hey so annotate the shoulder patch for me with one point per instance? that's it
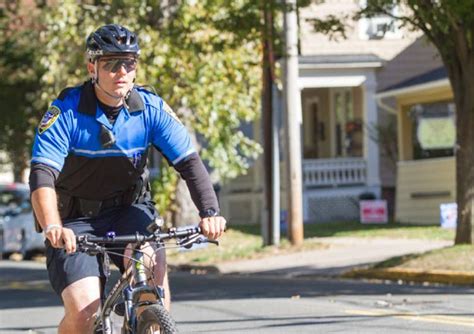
(170, 111)
(49, 118)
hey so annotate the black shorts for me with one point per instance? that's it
(65, 269)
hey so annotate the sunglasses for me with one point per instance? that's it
(115, 64)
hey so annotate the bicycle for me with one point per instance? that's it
(132, 284)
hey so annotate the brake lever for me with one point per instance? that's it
(215, 242)
(196, 239)
(189, 241)
(90, 248)
(203, 240)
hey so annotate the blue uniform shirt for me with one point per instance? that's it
(69, 140)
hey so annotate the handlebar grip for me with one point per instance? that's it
(185, 230)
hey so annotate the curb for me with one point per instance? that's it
(415, 275)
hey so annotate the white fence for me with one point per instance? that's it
(334, 172)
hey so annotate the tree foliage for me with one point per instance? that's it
(208, 79)
(212, 83)
(20, 76)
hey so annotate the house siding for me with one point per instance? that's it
(422, 185)
(311, 42)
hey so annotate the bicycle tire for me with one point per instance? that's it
(158, 316)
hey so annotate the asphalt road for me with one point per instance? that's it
(257, 304)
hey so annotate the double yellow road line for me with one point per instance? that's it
(443, 319)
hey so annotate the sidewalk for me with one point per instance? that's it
(343, 256)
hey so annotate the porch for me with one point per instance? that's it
(320, 173)
(426, 170)
(331, 188)
(340, 158)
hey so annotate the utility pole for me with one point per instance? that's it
(276, 170)
(293, 126)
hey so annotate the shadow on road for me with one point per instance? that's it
(287, 321)
(25, 285)
(38, 329)
(213, 287)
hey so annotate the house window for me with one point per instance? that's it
(379, 27)
(434, 130)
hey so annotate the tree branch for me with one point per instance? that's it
(430, 22)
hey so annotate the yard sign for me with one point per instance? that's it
(373, 212)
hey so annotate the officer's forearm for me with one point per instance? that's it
(192, 170)
(45, 205)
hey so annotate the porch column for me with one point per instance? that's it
(371, 147)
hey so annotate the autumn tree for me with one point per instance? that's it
(20, 75)
(449, 26)
(210, 81)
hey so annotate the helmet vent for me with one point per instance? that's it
(107, 40)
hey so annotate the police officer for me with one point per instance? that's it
(89, 174)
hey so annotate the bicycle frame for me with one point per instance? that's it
(130, 287)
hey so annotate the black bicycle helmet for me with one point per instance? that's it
(111, 39)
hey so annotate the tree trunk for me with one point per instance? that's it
(465, 166)
(267, 119)
(19, 162)
(462, 80)
(454, 43)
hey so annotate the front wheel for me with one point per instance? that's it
(155, 319)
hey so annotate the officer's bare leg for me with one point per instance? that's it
(157, 261)
(81, 301)
(161, 275)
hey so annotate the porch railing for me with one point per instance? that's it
(334, 172)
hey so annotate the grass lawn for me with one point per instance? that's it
(391, 230)
(356, 229)
(458, 258)
(238, 243)
(245, 242)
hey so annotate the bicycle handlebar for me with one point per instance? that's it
(190, 236)
(172, 233)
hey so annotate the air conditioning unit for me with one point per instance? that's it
(379, 26)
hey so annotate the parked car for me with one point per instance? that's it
(17, 231)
